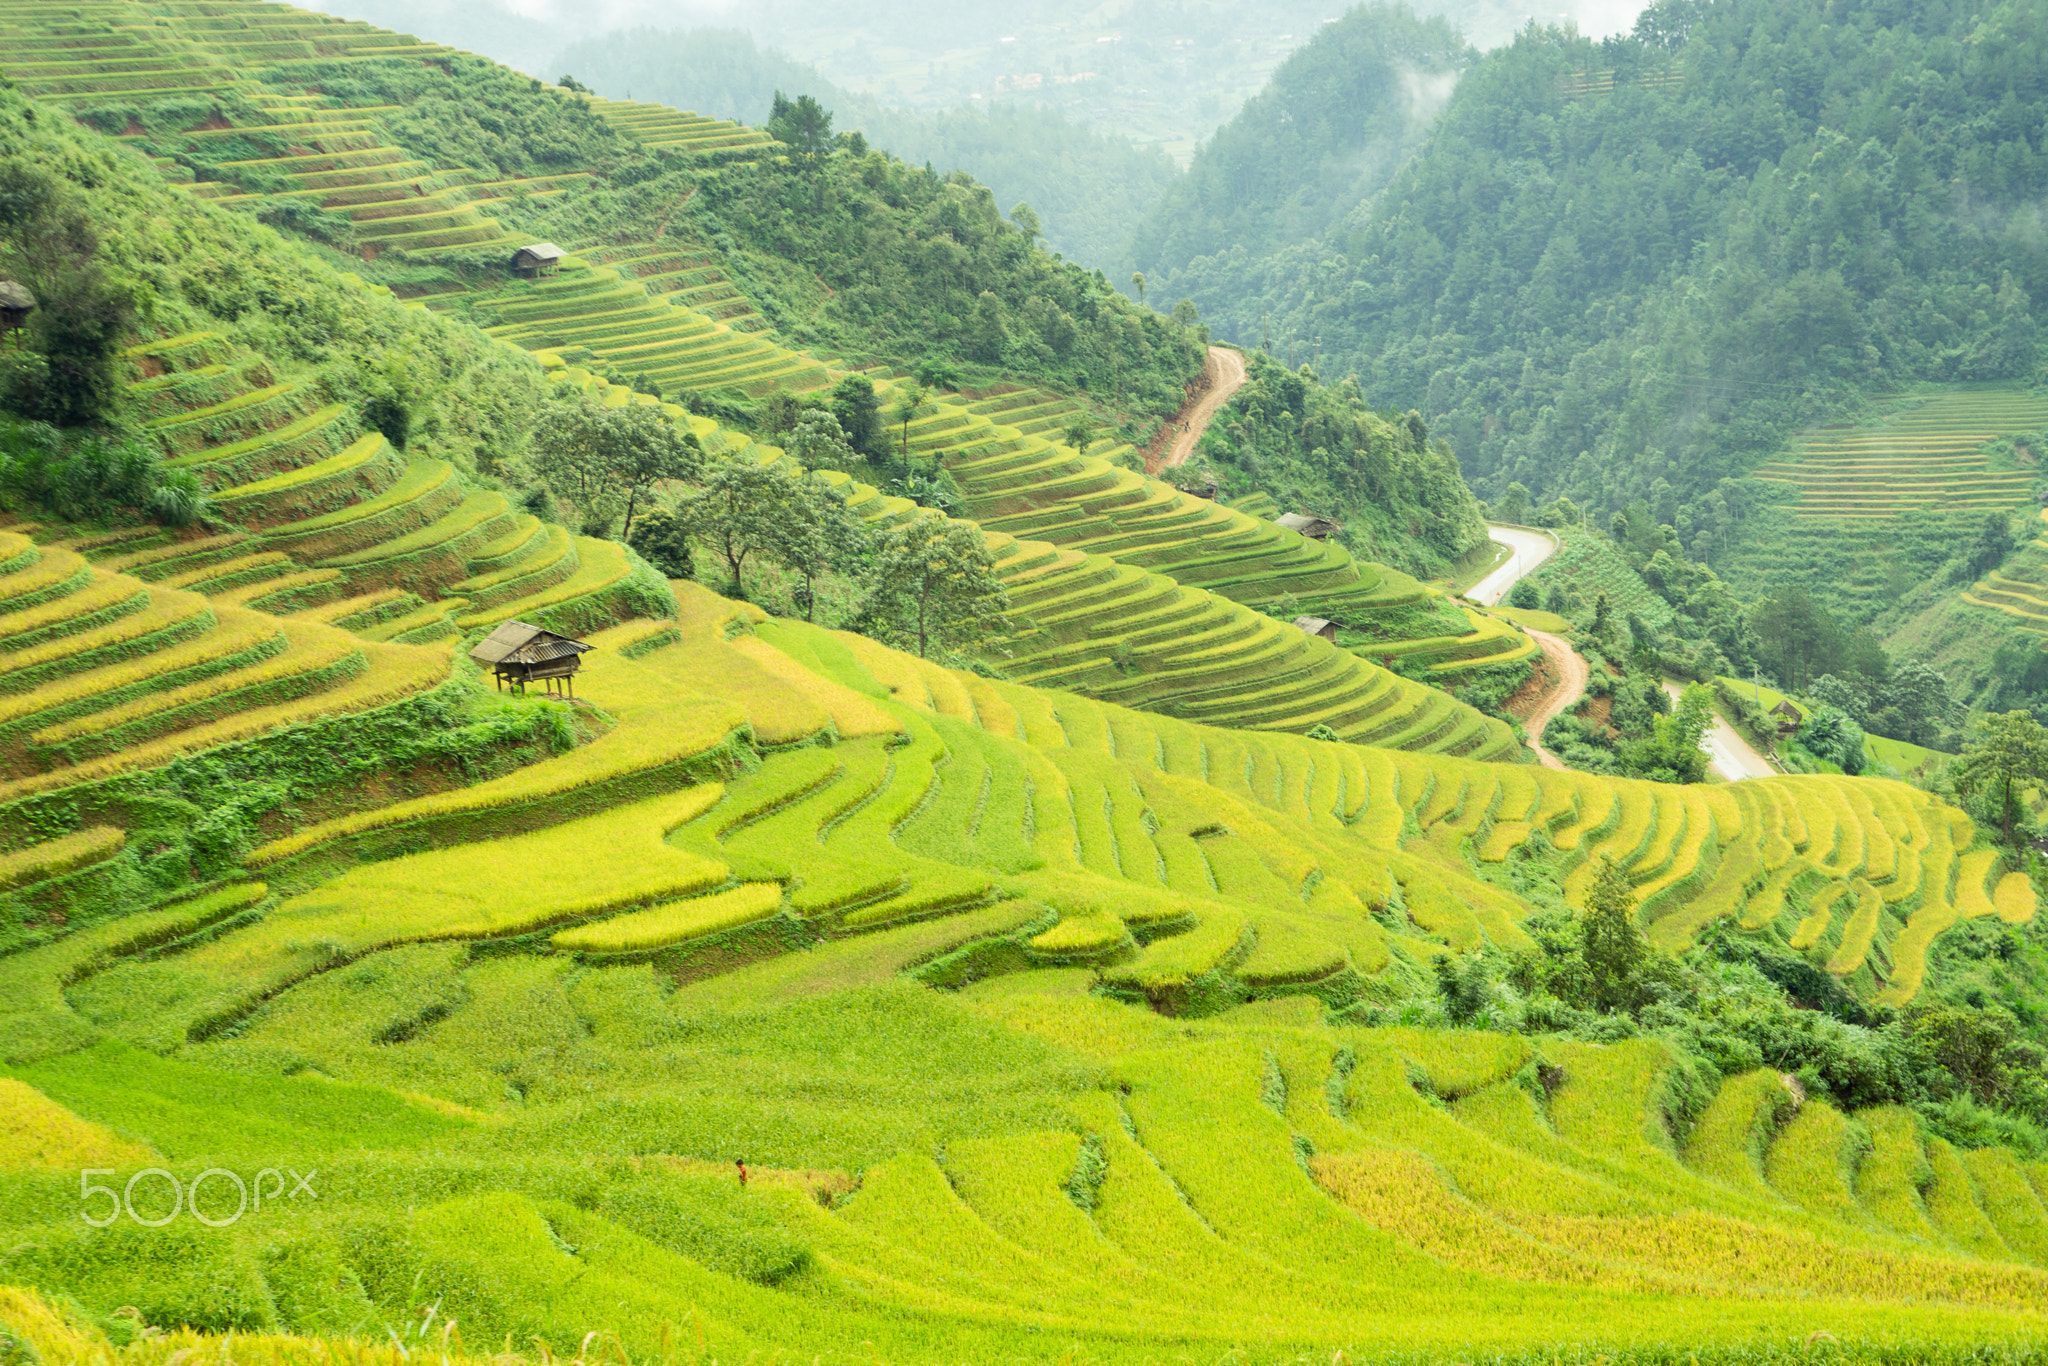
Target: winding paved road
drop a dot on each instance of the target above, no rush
(1531, 548)
(1226, 377)
(1728, 754)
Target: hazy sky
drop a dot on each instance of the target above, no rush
(1596, 17)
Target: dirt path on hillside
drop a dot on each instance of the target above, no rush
(1728, 754)
(1225, 370)
(1571, 673)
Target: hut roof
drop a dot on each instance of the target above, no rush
(1785, 708)
(540, 251)
(1315, 626)
(517, 642)
(13, 295)
(1307, 523)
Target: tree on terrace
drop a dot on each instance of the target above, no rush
(802, 124)
(2008, 754)
(906, 410)
(1613, 947)
(744, 508)
(860, 415)
(818, 442)
(934, 582)
(820, 536)
(600, 457)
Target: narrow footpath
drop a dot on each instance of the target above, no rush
(1225, 369)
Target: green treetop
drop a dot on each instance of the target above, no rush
(606, 460)
(934, 582)
(2008, 754)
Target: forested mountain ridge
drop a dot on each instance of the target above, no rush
(1088, 188)
(1337, 120)
(1395, 490)
(1627, 270)
(421, 167)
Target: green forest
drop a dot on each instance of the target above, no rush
(1626, 270)
(1394, 489)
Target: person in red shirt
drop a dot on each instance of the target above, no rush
(741, 1163)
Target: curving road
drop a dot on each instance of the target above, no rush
(1728, 754)
(1572, 671)
(1226, 377)
(1530, 548)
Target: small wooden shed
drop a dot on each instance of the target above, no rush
(16, 303)
(1317, 626)
(536, 259)
(1309, 524)
(1790, 718)
(1204, 489)
(520, 654)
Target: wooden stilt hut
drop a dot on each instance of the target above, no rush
(519, 654)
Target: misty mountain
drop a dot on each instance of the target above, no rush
(1090, 189)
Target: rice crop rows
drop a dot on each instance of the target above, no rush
(523, 1026)
(1924, 454)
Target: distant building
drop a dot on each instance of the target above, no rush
(16, 303)
(520, 654)
(1205, 489)
(540, 258)
(1317, 626)
(1312, 525)
(1790, 718)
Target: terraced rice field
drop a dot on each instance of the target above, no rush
(399, 554)
(333, 157)
(670, 315)
(625, 316)
(352, 576)
(515, 1005)
(1923, 455)
(1261, 1175)
(2019, 588)
(676, 130)
(1094, 624)
(1165, 851)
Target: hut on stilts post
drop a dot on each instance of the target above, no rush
(519, 654)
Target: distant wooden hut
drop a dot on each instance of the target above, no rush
(1309, 524)
(519, 654)
(1205, 488)
(1790, 718)
(16, 303)
(536, 259)
(1317, 626)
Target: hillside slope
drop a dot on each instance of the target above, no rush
(810, 816)
(1631, 269)
(1042, 1027)
(668, 313)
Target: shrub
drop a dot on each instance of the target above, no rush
(92, 478)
